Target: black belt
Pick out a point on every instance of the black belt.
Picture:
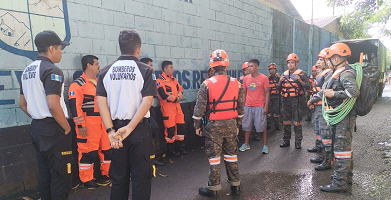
(143, 121)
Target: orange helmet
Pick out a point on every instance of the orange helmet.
(245, 65)
(314, 67)
(218, 58)
(338, 49)
(293, 57)
(272, 66)
(323, 53)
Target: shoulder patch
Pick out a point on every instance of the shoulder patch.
(72, 93)
(153, 77)
(56, 77)
(213, 80)
(158, 83)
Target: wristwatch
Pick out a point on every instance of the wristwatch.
(109, 129)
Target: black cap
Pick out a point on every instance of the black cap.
(47, 39)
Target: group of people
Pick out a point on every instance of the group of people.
(113, 123)
(228, 104)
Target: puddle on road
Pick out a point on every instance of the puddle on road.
(271, 185)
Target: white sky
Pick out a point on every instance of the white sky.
(321, 9)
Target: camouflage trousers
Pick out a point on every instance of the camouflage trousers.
(274, 113)
(220, 137)
(292, 110)
(338, 138)
(317, 116)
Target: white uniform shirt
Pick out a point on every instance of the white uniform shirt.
(125, 83)
(39, 79)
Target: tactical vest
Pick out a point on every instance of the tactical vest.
(273, 82)
(227, 108)
(319, 83)
(291, 87)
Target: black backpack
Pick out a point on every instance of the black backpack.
(368, 92)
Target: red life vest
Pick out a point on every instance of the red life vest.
(273, 82)
(290, 86)
(227, 108)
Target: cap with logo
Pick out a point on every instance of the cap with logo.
(47, 39)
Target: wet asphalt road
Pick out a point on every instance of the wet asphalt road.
(284, 173)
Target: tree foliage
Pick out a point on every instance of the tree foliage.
(367, 14)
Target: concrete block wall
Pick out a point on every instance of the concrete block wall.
(184, 31)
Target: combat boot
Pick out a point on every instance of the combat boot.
(206, 192)
(235, 190)
(179, 149)
(348, 181)
(298, 144)
(326, 164)
(171, 150)
(319, 159)
(332, 187)
(286, 143)
(316, 148)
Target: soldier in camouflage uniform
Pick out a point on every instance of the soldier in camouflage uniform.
(293, 84)
(339, 87)
(323, 72)
(224, 118)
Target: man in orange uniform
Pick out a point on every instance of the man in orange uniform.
(92, 139)
(170, 93)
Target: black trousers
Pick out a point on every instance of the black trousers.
(135, 158)
(54, 157)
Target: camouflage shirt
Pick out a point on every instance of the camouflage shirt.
(202, 100)
(345, 86)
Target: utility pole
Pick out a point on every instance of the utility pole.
(312, 13)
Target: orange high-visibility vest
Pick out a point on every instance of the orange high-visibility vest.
(290, 86)
(273, 82)
(227, 108)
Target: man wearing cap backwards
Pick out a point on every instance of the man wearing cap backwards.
(275, 98)
(222, 98)
(41, 98)
(339, 87)
(293, 84)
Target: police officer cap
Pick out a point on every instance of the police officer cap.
(47, 39)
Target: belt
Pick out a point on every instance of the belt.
(143, 121)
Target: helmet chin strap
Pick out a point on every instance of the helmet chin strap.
(334, 66)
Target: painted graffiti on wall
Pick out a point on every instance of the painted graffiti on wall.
(21, 20)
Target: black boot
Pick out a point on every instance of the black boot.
(298, 144)
(349, 181)
(320, 158)
(332, 188)
(326, 164)
(206, 192)
(316, 148)
(171, 150)
(286, 143)
(178, 148)
(235, 190)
